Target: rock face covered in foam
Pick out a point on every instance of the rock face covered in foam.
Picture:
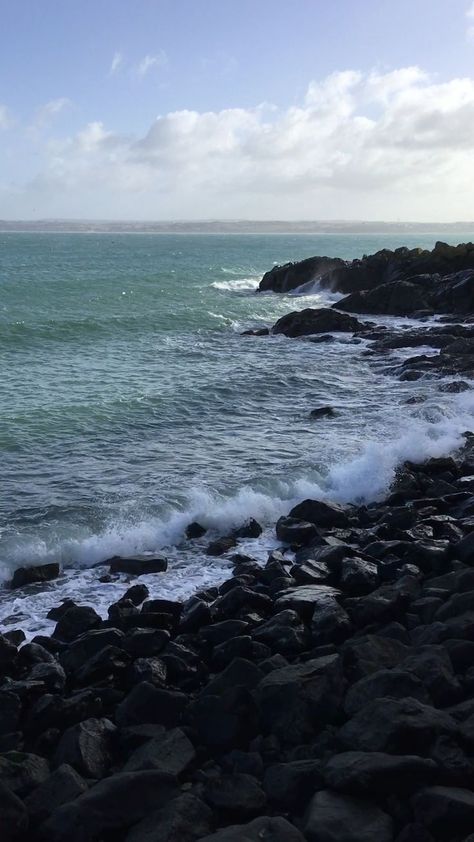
(400, 282)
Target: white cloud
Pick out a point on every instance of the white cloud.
(160, 59)
(47, 112)
(374, 145)
(116, 62)
(6, 120)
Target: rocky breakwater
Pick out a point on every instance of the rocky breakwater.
(398, 283)
(326, 695)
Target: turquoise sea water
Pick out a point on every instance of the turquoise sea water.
(129, 402)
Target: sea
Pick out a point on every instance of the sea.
(130, 405)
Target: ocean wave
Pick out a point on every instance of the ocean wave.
(238, 285)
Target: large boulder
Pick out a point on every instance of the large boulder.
(374, 772)
(270, 829)
(332, 817)
(322, 514)
(185, 819)
(445, 810)
(33, 575)
(293, 275)
(309, 321)
(86, 747)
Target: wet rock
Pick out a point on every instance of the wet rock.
(239, 673)
(290, 785)
(373, 773)
(195, 614)
(62, 786)
(226, 721)
(294, 700)
(295, 531)
(57, 612)
(8, 652)
(292, 275)
(309, 321)
(105, 666)
(358, 576)
(87, 645)
(220, 632)
(195, 530)
(330, 623)
(114, 804)
(235, 795)
(51, 675)
(324, 515)
(76, 621)
(250, 529)
(185, 819)
(138, 565)
(145, 642)
(238, 647)
(221, 546)
(152, 670)
(10, 712)
(464, 549)
(332, 817)
(445, 810)
(400, 726)
(271, 829)
(136, 594)
(322, 412)
(305, 599)
(118, 611)
(283, 633)
(32, 575)
(370, 653)
(171, 753)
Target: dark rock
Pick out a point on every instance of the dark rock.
(195, 614)
(86, 747)
(162, 606)
(8, 652)
(309, 321)
(87, 645)
(445, 810)
(464, 549)
(330, 622)
(270, 829)
(221, 546)
(250, 529)
(146, 703)
(386, 603)
(358, 576)
(51, 675)
(185, 819)
(31, 575)
(400, 726)
(294, 531)
(292, 275)
(283, 633)
(170, 753)
(324, 515)
(238, 647)
(294, 700)
(57, 612)
(76, 621)
(433, 666)
(332, 817)
(235, 795)
(389, 683)
(322, 412)
(369, 773)
(13, 815)
(106, 665)
(113, 804)
(290, 785)
(62, 786)
(225, 630)
(22, 772)
(370, 653)
(152, 669)
(145, 642)
(10, 711)
(118, 611)
(239, 673)
(138, 565)
(136, 594)
(226, 721)
(195, 530)
(241, 600)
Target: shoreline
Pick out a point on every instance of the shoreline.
(328, 691)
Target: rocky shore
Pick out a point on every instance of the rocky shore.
(327, 695)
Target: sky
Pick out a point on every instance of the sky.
(249, 109)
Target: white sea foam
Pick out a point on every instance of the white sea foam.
(238, 285)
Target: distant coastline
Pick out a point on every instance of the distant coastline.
(231, 226)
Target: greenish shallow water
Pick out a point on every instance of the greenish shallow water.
(129, 402)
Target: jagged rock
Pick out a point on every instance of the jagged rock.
(271, 829)
(195, 614)
(152, 670)
(10, 711)
(52, 675)
(250, 529)
(226, 721)
(136, 594)
(371, 773)
(305, 599)
(398, 726)
(145, 642)
(235, 795)
(87, 645)
(292, 275)
(146, 703)
(294, 700)
(358, 576)
(86, 747)
(32, 575)
(109, 663)
(221, 546)
(138, 565)
(115, 803)
(62, 786)
(289, 785)
(391, 683)
(283, 633)
(332, 817)
(185, 819)
(370, 653)
(195, 530)
(330, 623)
(8, 652)
(171, 753)
(57, 612)
(239, 673)
(76, 621)
(295, 531)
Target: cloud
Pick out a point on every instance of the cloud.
(115, 64)
(160, 59)
(360, 145)
(6, 120)
(47, 112)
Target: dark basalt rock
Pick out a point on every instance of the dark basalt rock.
(366, 773)
(185, 819)
(322, 412)
(332, 817)
(171, 753)
(236, 795)
(62, 786)
(291, 530)
(269, 828)
(391, 683)
(445, 810)
(75, 621)
(290, 785)
(138, 565)
(32, 575)
(309, 321)
(146, 703)
(13, 815)
(136, 594)
(250, 529)
(324, 515)
(22, 772)
(292, 275)
(221, 546)
(195, 530)
(86, 747)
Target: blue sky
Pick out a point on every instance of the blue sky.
(238, 108)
